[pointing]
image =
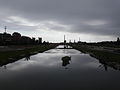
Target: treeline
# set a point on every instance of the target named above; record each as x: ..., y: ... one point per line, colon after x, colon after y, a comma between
x: 103, y: 43
x: 17, y: 39
x: 106, y: 43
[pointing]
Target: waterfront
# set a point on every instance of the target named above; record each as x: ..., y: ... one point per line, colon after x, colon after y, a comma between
x: 46, y: 71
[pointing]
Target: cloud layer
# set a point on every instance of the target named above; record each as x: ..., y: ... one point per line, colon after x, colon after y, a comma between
x: 94, y: 17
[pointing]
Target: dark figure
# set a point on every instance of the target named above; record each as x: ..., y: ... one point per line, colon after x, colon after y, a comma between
x: 65, y: 60
x: 27, y: 57
x: 105, y: 66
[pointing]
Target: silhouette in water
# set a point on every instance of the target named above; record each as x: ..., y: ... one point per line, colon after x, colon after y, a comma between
x: 104, y: 66
x: 66, y: 60
x: 5, y: 67
x: 27, y: 57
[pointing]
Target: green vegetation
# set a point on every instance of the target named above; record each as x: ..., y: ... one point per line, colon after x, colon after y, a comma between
x: 101, y: 54
x: 107, y: 57
x: 11, y: 56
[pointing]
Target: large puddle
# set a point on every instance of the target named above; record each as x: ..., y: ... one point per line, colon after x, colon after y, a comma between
x: 47, y: 71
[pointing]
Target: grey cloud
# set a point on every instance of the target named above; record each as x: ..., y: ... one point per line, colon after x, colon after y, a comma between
x: 68, y: 12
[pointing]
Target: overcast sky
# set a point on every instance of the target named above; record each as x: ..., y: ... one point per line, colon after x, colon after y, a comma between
x: 91, y: 20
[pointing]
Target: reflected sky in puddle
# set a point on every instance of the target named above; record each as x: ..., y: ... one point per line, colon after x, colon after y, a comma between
x: 45, y: 71
x: 52, y: 58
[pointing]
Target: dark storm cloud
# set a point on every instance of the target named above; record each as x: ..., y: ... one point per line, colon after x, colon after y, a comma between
x: 83, y: 16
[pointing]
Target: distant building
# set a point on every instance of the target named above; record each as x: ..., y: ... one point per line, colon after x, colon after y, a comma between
x: 79, y: 41
x: 74, y: 41
x: 70, y: 41
x: 64, y: 40
x: 118, y: 39
x: 40, y: 40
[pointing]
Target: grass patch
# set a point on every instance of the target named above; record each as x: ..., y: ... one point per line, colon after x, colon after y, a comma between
x: 11, y: 56
x: 99, y: 54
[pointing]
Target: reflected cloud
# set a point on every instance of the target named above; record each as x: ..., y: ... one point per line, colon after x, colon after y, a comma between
x: 18, y: 66
x: 52, y: 59
x: 5, y: 66
x: 91, y: 64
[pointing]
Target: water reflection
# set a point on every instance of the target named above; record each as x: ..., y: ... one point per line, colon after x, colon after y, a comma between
x: 64, y: 47
x: 27, y: 57
x: 44, y: 71
x: 106, y: 64
x: 65, y: 61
